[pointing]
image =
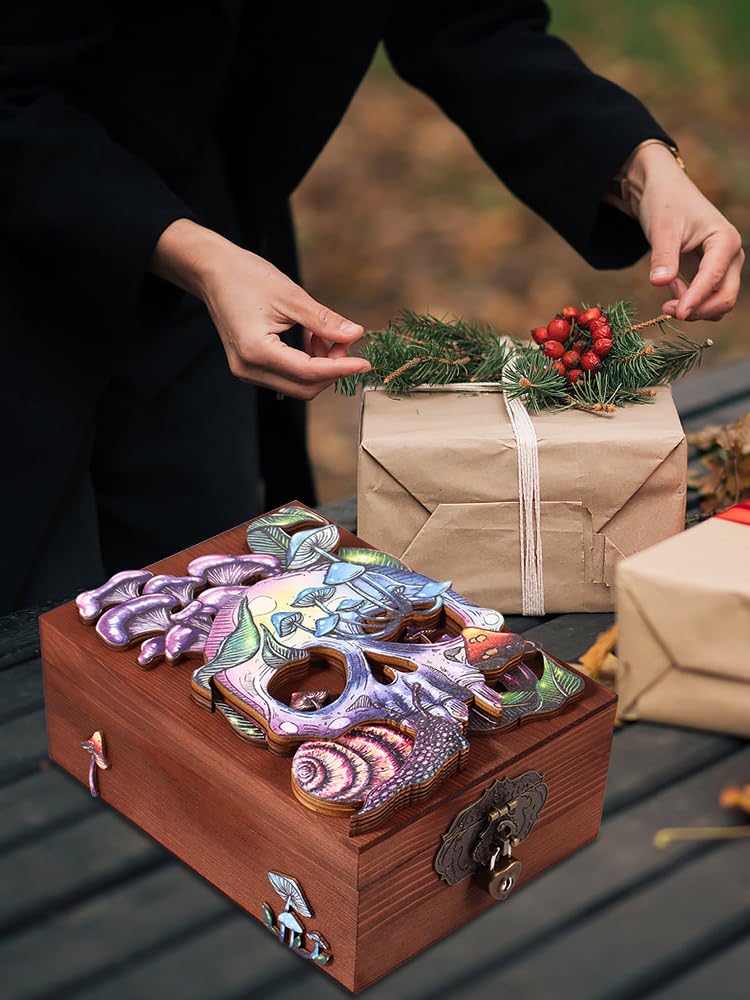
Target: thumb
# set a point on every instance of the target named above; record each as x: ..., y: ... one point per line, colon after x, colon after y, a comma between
x: 322, y: 320
x: 665, y: 254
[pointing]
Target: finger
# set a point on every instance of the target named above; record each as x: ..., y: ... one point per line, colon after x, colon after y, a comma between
x: 318, y: 346
x: 665, y: 252
x: 338, y: 351
x: 278, y: 383
x: 301, y: 367
x: 678, y: 287
x: 719, y: 251
x: 724, y: 298
x: 321, y: 320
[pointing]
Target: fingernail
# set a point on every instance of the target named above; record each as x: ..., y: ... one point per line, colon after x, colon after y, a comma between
x: 348, y: 327
x: 659, y: 272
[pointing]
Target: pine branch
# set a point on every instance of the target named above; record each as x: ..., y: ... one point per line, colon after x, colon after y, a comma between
x: 536, y: 379
x: 417, y: 349
x: 675, y: 358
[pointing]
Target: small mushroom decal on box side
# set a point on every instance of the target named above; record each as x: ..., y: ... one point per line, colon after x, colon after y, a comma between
x: 94, y: 746
x: 287, y: 925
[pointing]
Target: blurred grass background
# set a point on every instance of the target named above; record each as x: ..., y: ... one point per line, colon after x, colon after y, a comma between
x: 399, y: 210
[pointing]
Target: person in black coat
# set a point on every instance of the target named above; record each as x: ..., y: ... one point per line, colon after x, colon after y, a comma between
x: 148, y: 149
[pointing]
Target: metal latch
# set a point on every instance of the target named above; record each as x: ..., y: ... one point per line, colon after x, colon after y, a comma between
x: 481, y: 838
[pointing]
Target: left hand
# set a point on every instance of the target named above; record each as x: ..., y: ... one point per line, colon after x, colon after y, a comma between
x: 684, y: 229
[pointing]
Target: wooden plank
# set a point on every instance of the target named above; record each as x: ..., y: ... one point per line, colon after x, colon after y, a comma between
x: 19, y: 637
x: 237, y: 957
x: 646, y: 758
x: 23, y: 746
x: 619, y: 862
x: 19, y: 633
x: 723, y: 975
x: 567, y: 636
x: 21, y: 688
x: 39, y: 803
x: 523, y: 623
x: 71, y: 863
x: 726, y: 413
x: 710, y: 389
x: 109, y: 930
x: 645, y: 938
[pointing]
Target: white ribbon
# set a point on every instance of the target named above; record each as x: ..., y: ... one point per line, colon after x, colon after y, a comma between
x: 529, y: 488
x: 529, y: 503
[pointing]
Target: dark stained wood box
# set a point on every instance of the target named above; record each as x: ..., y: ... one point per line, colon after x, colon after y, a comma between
x: 227, y: 810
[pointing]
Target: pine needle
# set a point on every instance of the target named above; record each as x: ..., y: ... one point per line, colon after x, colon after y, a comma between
x: 419, y: 349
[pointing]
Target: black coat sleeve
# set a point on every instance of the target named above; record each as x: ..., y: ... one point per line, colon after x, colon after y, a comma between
x: 551, y: 129
x: 71, y: 198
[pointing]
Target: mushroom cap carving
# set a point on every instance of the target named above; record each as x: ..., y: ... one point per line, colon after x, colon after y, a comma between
x: 95, y: 746
x: 343, y: 572
x: 309, y: 597
x: 120, y: 587
x: 305, y: 547
x: 493, y: 649
x: 290, y: 891
x: 231, y: 570
x: 142, y: 616
x: 318, y: 938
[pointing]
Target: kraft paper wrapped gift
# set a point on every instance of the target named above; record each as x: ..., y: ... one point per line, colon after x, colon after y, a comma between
x: 683, y: 609
x: 438, y: 488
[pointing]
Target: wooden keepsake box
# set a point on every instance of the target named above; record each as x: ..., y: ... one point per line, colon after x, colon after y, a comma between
x: 353, y: 753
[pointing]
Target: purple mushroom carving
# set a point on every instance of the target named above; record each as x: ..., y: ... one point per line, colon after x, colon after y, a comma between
x: 216, y: 597
x: 120, y: 587
x: 151, y: 651
x: 141, y: 616
x: 181, y: 587
x: 231, y: 570
x: 190, y: 631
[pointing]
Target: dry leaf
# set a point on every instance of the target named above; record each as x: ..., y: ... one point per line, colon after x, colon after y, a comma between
x: 724, y: 476
x: 736, y: 797
x: 597, y: 660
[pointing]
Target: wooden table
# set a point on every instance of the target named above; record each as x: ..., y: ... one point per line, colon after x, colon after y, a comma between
x: 92, y: 908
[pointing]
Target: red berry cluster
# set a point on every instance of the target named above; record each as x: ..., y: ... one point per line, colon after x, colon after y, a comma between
x: 576, y: 342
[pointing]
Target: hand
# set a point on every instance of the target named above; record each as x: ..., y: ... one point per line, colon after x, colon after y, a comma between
x: 685, y: 232
x: 251, y: 303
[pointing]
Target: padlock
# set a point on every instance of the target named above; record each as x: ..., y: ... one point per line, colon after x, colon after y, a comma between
x: 502, y: 873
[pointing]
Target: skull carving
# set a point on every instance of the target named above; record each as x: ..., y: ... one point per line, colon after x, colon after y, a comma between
x: 421, y: 665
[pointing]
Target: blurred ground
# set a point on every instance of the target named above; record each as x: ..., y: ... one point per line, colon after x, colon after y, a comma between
x: 399, y: 210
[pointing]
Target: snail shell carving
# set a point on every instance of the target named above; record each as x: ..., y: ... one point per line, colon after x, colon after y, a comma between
x: 345, y: 772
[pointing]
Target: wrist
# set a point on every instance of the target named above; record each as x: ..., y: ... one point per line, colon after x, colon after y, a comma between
x: 650, y: 159
x: 189, y: 255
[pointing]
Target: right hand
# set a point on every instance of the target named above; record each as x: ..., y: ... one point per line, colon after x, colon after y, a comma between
x: 251, y: 303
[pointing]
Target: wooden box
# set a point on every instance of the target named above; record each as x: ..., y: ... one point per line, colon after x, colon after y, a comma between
x: 226, y: 808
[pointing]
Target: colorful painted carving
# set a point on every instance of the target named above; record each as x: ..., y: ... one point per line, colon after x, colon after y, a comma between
x: 287, y: 925
x: 98, y: 761
x: 421, y: 665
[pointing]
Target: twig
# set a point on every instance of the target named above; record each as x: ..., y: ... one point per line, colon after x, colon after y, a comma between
x: 663, y: 838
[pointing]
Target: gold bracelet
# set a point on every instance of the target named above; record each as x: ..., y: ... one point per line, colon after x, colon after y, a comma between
x: 618, y: 186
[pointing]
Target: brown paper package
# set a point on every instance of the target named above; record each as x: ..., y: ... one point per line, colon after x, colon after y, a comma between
x: 683, y: 609
x: 438, y: 488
